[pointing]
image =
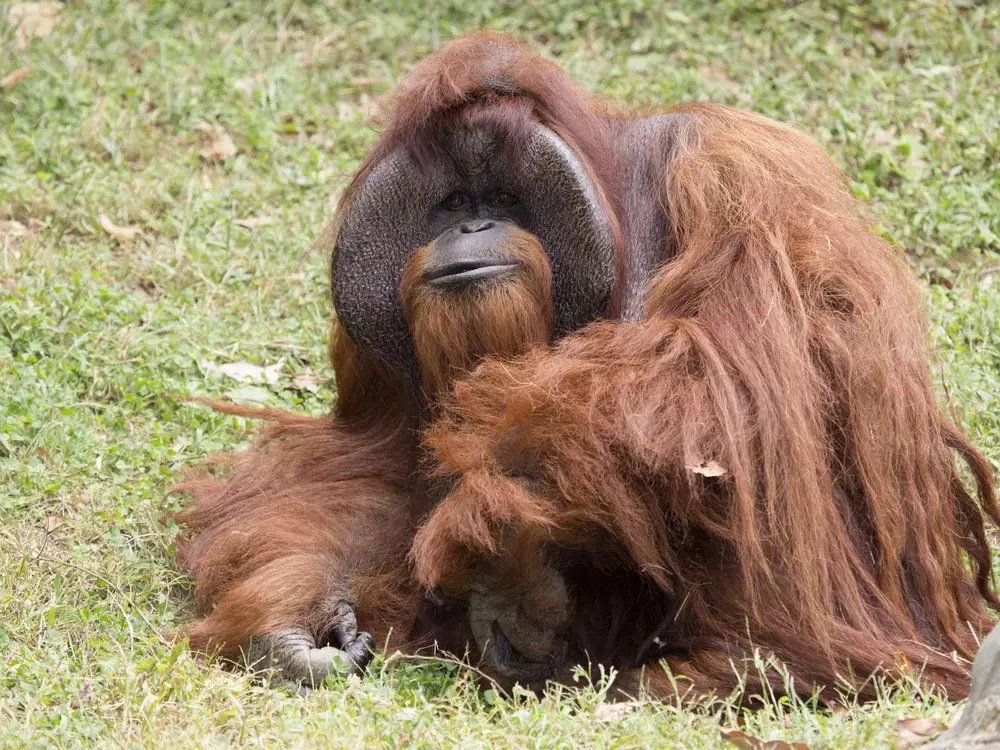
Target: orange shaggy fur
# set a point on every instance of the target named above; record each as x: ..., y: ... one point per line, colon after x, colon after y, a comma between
x: 760, y: 462
x: 452, y: 335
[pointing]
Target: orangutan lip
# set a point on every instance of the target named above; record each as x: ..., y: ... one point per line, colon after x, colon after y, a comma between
x: 465, y: 272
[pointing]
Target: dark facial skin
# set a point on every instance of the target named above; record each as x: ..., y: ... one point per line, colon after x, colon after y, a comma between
x: 401, y: 207
x: 474, y: 227
x: 493, y: 202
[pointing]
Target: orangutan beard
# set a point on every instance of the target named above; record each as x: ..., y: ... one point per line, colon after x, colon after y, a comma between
x: 454, y: 330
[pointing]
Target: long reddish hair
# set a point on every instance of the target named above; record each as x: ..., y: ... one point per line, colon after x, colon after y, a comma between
x: 758, y: 463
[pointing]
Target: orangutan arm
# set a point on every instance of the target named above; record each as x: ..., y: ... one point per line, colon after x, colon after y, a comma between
x: 544, y: 451
x: 299, y: 553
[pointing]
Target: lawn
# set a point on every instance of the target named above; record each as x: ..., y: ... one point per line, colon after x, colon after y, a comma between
x: 164, y: 168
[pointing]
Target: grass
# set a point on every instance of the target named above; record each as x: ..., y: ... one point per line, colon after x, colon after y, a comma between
x: 123, y: 113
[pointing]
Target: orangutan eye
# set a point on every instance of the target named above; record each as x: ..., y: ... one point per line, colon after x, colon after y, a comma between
x: 503, y: 198
x: 455, y: 202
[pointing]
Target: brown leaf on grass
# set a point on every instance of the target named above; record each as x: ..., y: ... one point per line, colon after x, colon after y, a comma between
x: 749, y: 742
x: 11, y: 230
x: 10, y: 287
x: 52, y: 523
x: 32, y: 21
x: 306, y: 382
x: 916, y: 732
x: 253, y: 222
x: 221, y: 146
x: 122, y: 234
x: 10, y: 80
x: 245, y: 372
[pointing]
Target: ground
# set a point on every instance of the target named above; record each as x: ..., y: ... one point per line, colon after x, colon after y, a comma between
x: 164, y: 168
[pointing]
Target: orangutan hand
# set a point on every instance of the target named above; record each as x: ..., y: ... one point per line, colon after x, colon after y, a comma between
x: 517, y: 620
x: 295, y: 659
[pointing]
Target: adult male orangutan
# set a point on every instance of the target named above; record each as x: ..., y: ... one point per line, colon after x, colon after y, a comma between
x: 612, y: 390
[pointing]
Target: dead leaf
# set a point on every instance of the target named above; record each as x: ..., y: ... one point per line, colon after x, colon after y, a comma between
x: 709, y: 469
x: 916, y: 732
x: 254, y: 222
x: 12, y: 79
x: 221, y: 147
x: 245, y: 372
x: 32, y: 21
x: 52, y: 523
x: 749, y: 742
x: 10, y: 287
x: 122, y: 234
x: 612, y: 712
x: 12, y: 230
x: 306, y: 382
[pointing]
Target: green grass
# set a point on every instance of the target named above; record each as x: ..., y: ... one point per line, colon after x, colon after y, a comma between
x: 96, y: 336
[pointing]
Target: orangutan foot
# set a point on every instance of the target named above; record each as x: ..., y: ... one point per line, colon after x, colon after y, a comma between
x: 517, y: 623
x: 294, y: 659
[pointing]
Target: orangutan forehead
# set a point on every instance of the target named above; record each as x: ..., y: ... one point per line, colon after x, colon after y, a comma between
x: 474, y: 147
x: 479, y: 157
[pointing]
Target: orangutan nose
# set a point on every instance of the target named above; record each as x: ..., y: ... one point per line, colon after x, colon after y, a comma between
x: 480, y: 225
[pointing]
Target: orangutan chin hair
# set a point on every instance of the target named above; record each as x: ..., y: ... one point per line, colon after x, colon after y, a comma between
x: 740, y: 451
x: 451, y: 336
